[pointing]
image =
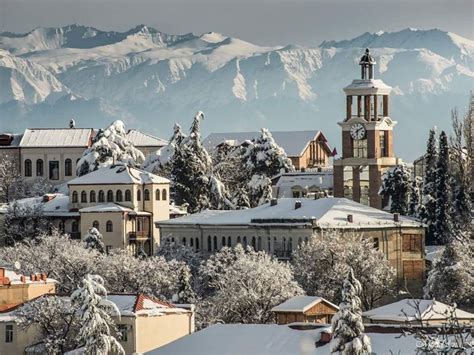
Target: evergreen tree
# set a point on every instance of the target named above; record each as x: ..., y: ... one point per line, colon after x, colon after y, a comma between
x: 111, y: 146
x: 414, y: 203
x: 396, y: 184
x: 93, y: 240
x: 95, y: 312
x: 428, y: 208
x: 348, y: 336
x: 185, y: 291
x: 443, y: 230
x: 12, y: 185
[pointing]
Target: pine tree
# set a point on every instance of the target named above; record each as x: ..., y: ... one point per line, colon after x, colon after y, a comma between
x: 443, y: 229
x: 414, y: 203
x: 111, y: 146
x: 396, y: 184
x: 428, y: 208
x: 347, y: 328
x: 185, y: 292
x: 95, y: 312
x: 93, y: 240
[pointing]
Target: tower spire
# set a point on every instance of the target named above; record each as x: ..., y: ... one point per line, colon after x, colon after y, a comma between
x: 367, y: 63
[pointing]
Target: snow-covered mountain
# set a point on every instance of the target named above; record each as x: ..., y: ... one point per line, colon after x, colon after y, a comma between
x: 152, y: 79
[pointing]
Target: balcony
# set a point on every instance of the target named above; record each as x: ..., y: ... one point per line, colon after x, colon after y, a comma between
x: 139, y: 236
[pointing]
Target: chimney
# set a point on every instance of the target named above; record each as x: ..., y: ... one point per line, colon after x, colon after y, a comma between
x: 396, y: 217
x: 350, y: 218
x: 297, y: 204
x: 32, y: 277
x: 22, y: 278
x: 43, y: 277
x: 2, y: 272
x: 273, y: 202
x: 37, y: 277
x: 72, y: 123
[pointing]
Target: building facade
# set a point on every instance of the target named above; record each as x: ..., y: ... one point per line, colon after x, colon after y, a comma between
x: 367, y: 138
x: 280, y: 226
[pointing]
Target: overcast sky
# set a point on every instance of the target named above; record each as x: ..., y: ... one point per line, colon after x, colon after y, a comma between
x: 306, y: 22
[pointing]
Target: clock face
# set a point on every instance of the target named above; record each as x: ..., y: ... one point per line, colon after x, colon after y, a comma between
x: 357, y: 131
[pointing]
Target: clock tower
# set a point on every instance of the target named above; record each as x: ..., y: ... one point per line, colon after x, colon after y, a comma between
x: 367, y: 138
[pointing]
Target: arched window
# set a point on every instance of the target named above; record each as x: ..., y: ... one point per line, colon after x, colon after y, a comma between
x: 68, y: 167
x: 229, y: 242
x: 84, y: 197
x: 269, y: 243
x: 75, y: 227
x: 109, y: 227
x: 101, y: 196
x: 92, y: 196
x: 128, y: 195
x: 39, y: 167
x: 74, y: 197
x: 118, y: 196
x: 157, y: 194
x: 259, y: 245
x: 191, y: 242
x: 209, y: 243
x: 215, y: 243
x: 139, y: 195
x: 238, y: 240
x: 95, y: 224
x: 197, y: 243
x: 184, y: 241
x: 28, y: 167
x: 146, y: 195
x: 254, y: 243
x: 290, y: 244
x: 245, y: 242
x: 223, y: 241
x: 163, y: 195
x: 110, y: 196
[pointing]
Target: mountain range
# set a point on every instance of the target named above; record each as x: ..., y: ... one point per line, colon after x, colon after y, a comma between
x: 151, y: 80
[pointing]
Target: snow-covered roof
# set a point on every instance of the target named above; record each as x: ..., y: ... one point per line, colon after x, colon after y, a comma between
x: 367, y: 87
x: 306, y: 180
x: 56, y: 205
x: 140, y: 139
x: 118, y: 174
x: 301, y: 304
x: 105, y: 207
x: 323, y: 213
x: 136, y: 305
x: 14, y: 140
x: 56, y: 137
x: 415, y: 309
x: 293, y: 142
x: 15, y: 278
x: 271, y: 339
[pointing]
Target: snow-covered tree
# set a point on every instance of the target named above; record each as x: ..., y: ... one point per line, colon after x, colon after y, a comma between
x: 185, y: 292
x: 182, y: 253
x: 259, y: 190
x: 428, y: 208
x: 396, y: 185
x: 443, y: 227
x: 414, y: 203
x: 320, y: 264
x: 244, y: 285
x: 97, y: 329
x: 93, y: 240
x: 55, y: 318
x: 12, y: 186
x: 451, y: 280
x: 40, y: 187
x: 23, y: 220
x: 348, y: 336
x: 111, y: 146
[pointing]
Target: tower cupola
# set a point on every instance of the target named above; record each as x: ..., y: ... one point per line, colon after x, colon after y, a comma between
x: 367, y: 63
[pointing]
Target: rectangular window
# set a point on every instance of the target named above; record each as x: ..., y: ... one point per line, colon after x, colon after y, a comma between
x: 54, y: 170
x: 411, y: 243
x: 359, y: 148
x: 383, y: 143
x: 123, y: 332
x: 9, y: 333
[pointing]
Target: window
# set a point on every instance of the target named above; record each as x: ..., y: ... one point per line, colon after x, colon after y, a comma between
x: 229, y: 242
x: 109, y: 227
x: 118, y: 196
x: 359, y: 148
x: 39, y: 167
x: 209, y: 243
x: 197, y: 244
x: 163, y: 194
x: 96, y: 225
x: 245, y: 242
x: 411, y: 243
x: 74, y: 196
x: 139, y: 195
x: 68, y: 167
x: 123, y: 332
x: 128, y: 195
x: 184, y: 241
x: 139, y: 225
x: 223, y: 242
x: 146, y: 195
x: 254, y: 243
x: 215, y: 243
x: 54, y: 170
x: 157, y: 194
x: 191, y: 242
x: 92, y: 196
x: 269, y: 241
x: 9, y: 333
x: 61, y: 226
x: 383, y: 143
x: 28, y: 167
x: 259, y: 245
x: 84, y: 197
x: 238, y: 240
x: 110, y: 196
x: 376, y: 243
x: 101, y: 196
x: 75, y: 227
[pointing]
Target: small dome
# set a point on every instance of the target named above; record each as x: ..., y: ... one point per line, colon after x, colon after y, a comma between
x: 367, y: 58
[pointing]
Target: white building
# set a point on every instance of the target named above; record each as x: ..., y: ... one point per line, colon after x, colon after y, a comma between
x: 305, y: 183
